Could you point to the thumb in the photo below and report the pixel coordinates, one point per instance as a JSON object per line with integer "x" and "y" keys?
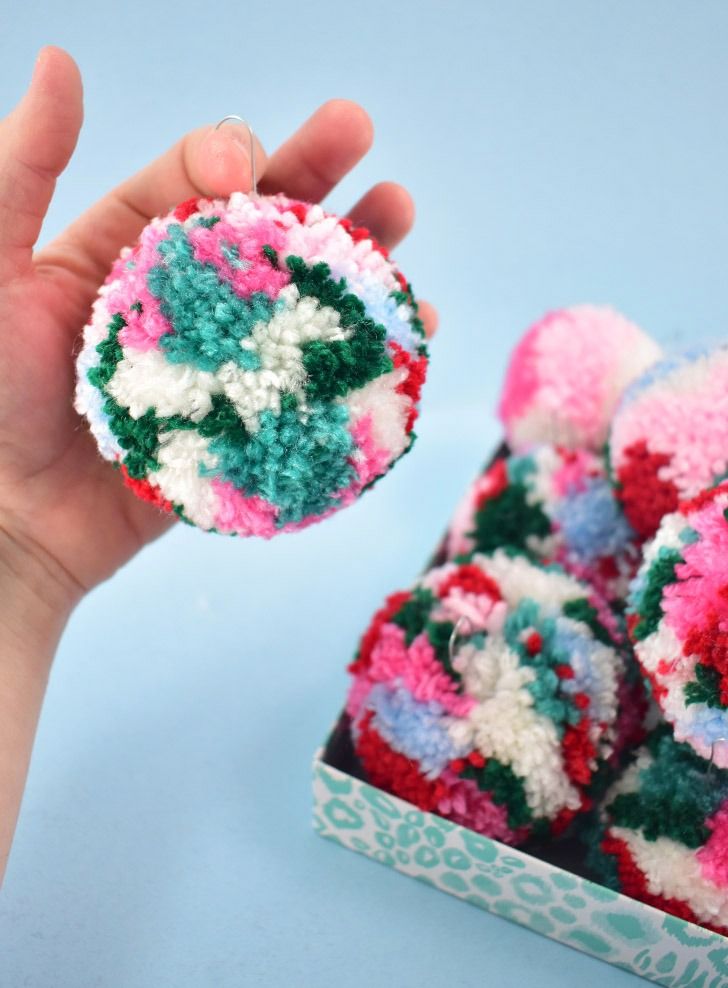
{"x": 36, "y": 143}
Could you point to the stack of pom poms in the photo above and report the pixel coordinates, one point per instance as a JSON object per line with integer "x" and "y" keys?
{"x": 499, "y": 691}
{"x": 252, "y": 364}
{"x": 505, "y": 689}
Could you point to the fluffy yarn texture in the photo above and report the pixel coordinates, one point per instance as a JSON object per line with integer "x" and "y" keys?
{"x": 559, "y": 506}
{"x": 567, "y": 374}
{"x": 664, "y": 833}
{"x": 669, "y": 438}
{"x": 489, "y": 693}
{"x": 252, "y": 364}
{"x": 678, "y": 621}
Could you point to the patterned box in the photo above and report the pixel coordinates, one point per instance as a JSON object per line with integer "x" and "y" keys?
{"x": 539, "y": 894}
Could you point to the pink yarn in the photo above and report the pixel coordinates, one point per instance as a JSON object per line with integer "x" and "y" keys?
{"x": 683, "y": 415}
{"x": 713, "y": 856}
{"x": 236, "y": 512}
{"x": 417, "y": 668}
{"x": 139, "y": 333}
{"x": 522, "y": 374}
{"x": 371, "y": 461}
{"x": 699, "y": 594}
{"x": 570, "y": 476}
{"x": 466, "y": 805}
{"x": 567, "y": 374}
{"x": 254, "y": 276}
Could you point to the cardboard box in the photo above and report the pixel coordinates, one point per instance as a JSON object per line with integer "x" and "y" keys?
{"x": 549, "y": 893}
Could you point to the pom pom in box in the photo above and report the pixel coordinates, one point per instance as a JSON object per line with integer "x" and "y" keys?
{"x": 547, "y": 508}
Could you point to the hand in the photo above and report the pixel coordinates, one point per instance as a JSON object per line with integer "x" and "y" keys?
{"x": 62, "y": 509}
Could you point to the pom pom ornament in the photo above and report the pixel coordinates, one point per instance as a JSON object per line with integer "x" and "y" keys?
{"x": 252, "y": 364}
{"x": 489, "y": 694}
{"x": 669, "y": 438}
{"x": 559, "y": 506}
{"x": 664, "y": 836}
{"x": 678, "y": 619}
{"x": 567, "y": 374}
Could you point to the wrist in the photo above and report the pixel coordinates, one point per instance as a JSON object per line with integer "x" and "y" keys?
{"x": 37, "y": 594}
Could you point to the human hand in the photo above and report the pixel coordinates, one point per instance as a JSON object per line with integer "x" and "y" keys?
{"x": 63, "y": 512}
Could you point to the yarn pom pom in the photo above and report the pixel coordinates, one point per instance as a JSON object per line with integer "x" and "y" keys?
{"x": 669, "y": 438}
{"x": 567, "y": 374}
{"x": 556, "y": 504}
{"x": 665, "y": 833}
{"x": 488, "y": 694}
{"x": 678, "y": 620}
{"x": 252, "y": 364}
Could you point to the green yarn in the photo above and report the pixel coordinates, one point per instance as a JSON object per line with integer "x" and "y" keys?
{"x": 272, "y": 256}
{"x": 414, "y": 618}
{"x": 581, "y": 610}
{"x": 414, "y": 614}
{"x": 545, "y": 688}
{"x": 300, "y": 467}
{"x": 676, "y": 795}
{"x": 649, "y": 603}
{"x": 209, "y": 319}
{"x": 439, "y": 634}
{"x": 335, "y": 367}
{"x": 505, "y": 788}
{"x": 705, "y": 688}
{"x": 110, "y": 352}
{"x": 509, "y": 520}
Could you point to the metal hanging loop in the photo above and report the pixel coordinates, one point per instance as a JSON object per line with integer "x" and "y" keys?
{"x": 251, "y": 134}
{"x": 455, "y": 634}
{"x": 711, "y": 763}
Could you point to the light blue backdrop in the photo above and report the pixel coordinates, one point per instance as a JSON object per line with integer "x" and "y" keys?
{"x": 559, "y": 152}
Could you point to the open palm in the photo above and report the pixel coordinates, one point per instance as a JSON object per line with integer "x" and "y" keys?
{"x": 60, "y": 502}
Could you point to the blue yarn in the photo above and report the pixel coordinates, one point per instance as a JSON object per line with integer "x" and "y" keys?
{"x": 592, "y": 523}
{"x": 581, "y": 650}
{"x": 417, "y": 730}
{"x": 703, "y": 723}
{"x": 209, "y": 319}
{"x": 658, "y": 371}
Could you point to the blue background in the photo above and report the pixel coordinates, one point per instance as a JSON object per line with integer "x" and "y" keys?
{"x": 558, "y": 152}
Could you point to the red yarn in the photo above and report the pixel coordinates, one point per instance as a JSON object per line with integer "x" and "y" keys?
{"x": 371, "y": 636}
{"x": 564, "y": 818}
{"x": 146, "y": 491}
{"x": 710, "y": 646}
{"x": 393, "y": 771}
{"x": 633, "y": 882}
{"x": 645, "y": 496}
{"x": 412, "y": 384}
{"x": 578, "y": 752}
{"x": 703, "y": 498}
{"x": 497, "y": 477}
{"x": 185, "y": 209}
{"x": 358, "y": 233}
{"x": 471, "y": 579}
{"x": 402, "y": 281}
{"x": 564, "y": 671}
{"x": 534, "y": 643}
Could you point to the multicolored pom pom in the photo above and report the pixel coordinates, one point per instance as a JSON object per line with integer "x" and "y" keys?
{"x": 252, "y": 364}
{"x": 665, "y": 836}
{"x": 669, "y": 438}
{"x": 556, "y": 504}
{"x": 567, "y": 374}
{"x": 490, "y": 694}
{"x": 679, "y": 621}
